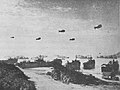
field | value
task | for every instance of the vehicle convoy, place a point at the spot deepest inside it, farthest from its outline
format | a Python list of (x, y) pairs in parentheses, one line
[(110, 70)]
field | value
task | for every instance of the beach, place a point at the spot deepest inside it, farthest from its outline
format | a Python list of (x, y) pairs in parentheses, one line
[(32, 27)]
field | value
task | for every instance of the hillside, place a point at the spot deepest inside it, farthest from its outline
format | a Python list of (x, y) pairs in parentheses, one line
[(12, 78), (117, 55)]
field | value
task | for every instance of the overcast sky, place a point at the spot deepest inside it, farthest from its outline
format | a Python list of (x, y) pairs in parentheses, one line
[(102, 11), (28, 19)]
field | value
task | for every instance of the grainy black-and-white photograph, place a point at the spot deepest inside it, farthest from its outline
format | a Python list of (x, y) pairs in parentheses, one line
[(59, 45)]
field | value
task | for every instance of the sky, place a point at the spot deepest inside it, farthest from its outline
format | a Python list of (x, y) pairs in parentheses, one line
[(28, 19)]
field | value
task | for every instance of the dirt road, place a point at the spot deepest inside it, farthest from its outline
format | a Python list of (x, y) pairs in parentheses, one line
[(44, 82)]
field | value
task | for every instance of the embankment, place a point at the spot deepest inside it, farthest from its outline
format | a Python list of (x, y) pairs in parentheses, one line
[(70, 76), (12, 78)]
